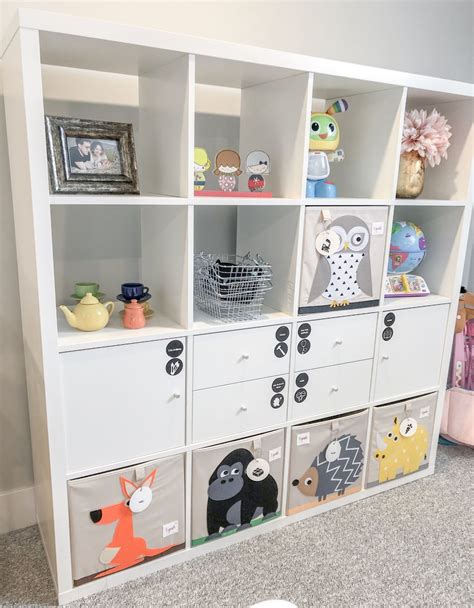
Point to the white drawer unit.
(123, 402)
(328, 389)
(235, 408)
(236, 356)
(334, 341)
(410, 350)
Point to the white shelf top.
(158, 327)
(115, 199)
(414, 302)
(137, 48)
(204, 323)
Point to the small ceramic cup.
(133, 290)
(80, 289)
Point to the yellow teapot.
(89, 314)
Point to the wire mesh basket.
(231, 287)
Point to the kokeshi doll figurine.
(201, 165)
(258, 165)
(227, 169)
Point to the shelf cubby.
(443, 229)
(272, 232)
(111, 245)
(450, 180)
(369, 135)
(246, 107)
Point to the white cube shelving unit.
(153, 236)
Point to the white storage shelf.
(178, 92)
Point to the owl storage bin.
(126, 517)
(400, 439)
(326, 460)
(236, 486)
(343, 254)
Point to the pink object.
(457, 423)
(427, 135)
(133, 316)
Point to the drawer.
(125, 517)
(122, 402)
(236, 485)
(236, 356)
(313, 477)
(401, 437)
(334, 341)
(235, 408)
(328, 389)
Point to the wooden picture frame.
(109, 165)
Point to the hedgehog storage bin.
(236, 485)
(400, 438)
(343, 255)
(125, 517)
(327, 460)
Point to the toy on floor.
(407, 250)
(201, 165)
(227, 169)
(258, 165)
(323, 149)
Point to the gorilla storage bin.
(236, 485)
(125, 517)
(327, 460)
(400, 438)
(343, 255)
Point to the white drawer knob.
(335, 389)
(244, 408)
(245, 356)
(176, 395)
(339, 341)
(385, 357)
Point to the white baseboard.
(17, 509)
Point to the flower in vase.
(426, 135)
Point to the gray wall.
(427, 37)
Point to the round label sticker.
(327, 242)
(280, 349)
(174, 367)
(333, 451)
(282, 333)
(301, 395)
(140, 499)
(302, 379)
(304, 330)
(278, 385)
(174, 348)
(387, 334)
(277, 401)
(389, 319)
(304, 346)
(258, 469)
(408, 427)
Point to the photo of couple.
(93, 155)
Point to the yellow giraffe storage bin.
(400, 439)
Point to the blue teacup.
(134, 290)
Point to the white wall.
(430, 37)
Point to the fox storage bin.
(343, 255)
(236, 485)
(400, 438)
(122, 518)
(326, 460)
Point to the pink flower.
(427, 135)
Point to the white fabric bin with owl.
(400, 439)
(326, 460)
(343, 255)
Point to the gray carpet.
(408, 547)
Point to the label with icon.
(258, 469)
(408, 427)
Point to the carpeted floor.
(408, 547)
